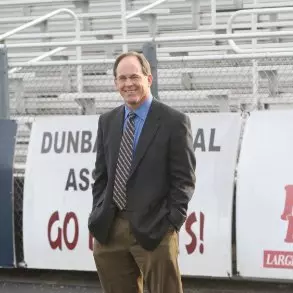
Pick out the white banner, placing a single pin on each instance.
(205, 240)
(265, 197)
(57, 195)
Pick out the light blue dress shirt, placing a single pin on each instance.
(141, 114)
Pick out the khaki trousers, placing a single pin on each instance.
(124, 266)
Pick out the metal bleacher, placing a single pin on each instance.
(190, 86)
(174, 17)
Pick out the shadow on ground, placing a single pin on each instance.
(43, 281)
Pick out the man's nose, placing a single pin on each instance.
(128, 81)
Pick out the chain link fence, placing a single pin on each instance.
(233, 85)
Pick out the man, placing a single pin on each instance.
(145, 177)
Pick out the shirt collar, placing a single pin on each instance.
(142, 110)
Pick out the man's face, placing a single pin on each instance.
(132, 84)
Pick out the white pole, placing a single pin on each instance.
(124, 23)
(213, 12)
(255, 78)
(79, 74)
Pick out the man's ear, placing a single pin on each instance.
(150, 80)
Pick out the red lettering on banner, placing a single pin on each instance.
(57, 243)
(287, 214)
(190, 221)
(283, 259)
(68, 217)
(278, 259)
(289, 235)
(201, 233)
(190, 248)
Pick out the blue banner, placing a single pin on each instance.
(7, 145)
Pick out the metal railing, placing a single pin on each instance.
(38, 20)
(125, 17)
(59, 48)
(230, 37)
(262, 34)
(254, 13)
(158, 40)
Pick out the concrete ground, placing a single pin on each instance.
(24, 281)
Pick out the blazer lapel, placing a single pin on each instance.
(115, 136)
(148, 132)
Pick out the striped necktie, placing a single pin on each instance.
(124, 163)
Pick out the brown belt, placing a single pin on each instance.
(122, 214)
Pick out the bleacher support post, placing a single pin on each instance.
(150, 52)
(4, 95)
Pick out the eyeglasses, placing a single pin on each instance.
(132, 78)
